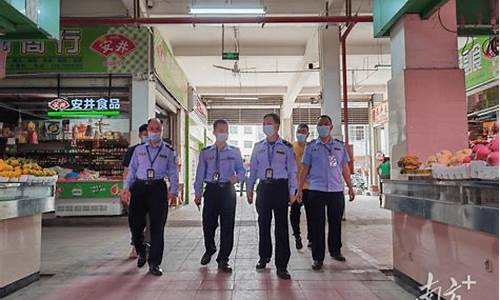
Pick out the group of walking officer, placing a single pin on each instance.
(310, 173)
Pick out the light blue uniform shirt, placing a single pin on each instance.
(282, 162)
(165, 165)
(324, 176)
(229, 164)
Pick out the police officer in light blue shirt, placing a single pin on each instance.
(219, 166)
(325, 163)
(151, 163)
(273, 163)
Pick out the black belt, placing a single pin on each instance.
(219, 184)
(150, 181)
(274, 181)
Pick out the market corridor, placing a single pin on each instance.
(89, 262)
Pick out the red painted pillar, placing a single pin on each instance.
(427, 100)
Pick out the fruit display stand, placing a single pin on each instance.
(446, 227)
(445, 218)
(21, 208)
(88, 198)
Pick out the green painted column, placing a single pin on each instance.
(186, 161)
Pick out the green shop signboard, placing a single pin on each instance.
(168, 70)
(88, 189)
(86, 49)
(479, 68)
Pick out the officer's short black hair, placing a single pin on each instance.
(325, 117)
(142, 128)
(302, 126)
(150, 120)
(220, 121)
(275, 117)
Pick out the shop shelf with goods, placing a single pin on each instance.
(88, 161)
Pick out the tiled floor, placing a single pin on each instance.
(89, 262)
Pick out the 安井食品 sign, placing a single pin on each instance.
(84, 107)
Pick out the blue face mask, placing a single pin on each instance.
(154, 137)
(301, 137)
(268, 130)
(221, 137)
(323, 131)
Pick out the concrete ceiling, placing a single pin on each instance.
(273, 47)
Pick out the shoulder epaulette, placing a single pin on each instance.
(287, 143)
(206, 148)
(339, 141)
(233, 147)
(169, 146)
(310, 143)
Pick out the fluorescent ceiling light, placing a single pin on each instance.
(227, 11)
(241, 98)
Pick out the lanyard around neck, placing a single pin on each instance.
(329, 149)
(270, 154)
(156, 156)
(217, 159)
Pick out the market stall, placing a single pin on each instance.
(75, 104)
(82, 138)
(87, 153)
(445, 216)
(443, 192)
(23, 199)
(480, 64)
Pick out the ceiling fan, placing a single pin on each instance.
(235, 69)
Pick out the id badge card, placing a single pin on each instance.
(216, 177)
(269, 173)
(332, 161)
(151, 173)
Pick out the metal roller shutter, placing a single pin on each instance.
(239, 116)
(310, 115)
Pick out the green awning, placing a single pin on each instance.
(473, 17)
(15, 24)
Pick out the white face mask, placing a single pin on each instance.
(221, 137)
(323, 131)
(268, 130)
(154, 137)
(301, 137)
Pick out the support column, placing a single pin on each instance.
(287, 129)
(329, 61)
(142, 106)
(427, 103)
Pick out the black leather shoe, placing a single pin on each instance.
(338, 256)
(205, 259)
(283, 274)
(298, 243)
(141, 260)
(224, 267)
(156, 270)
(309, 244)
(261, 264)
(317, 265)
